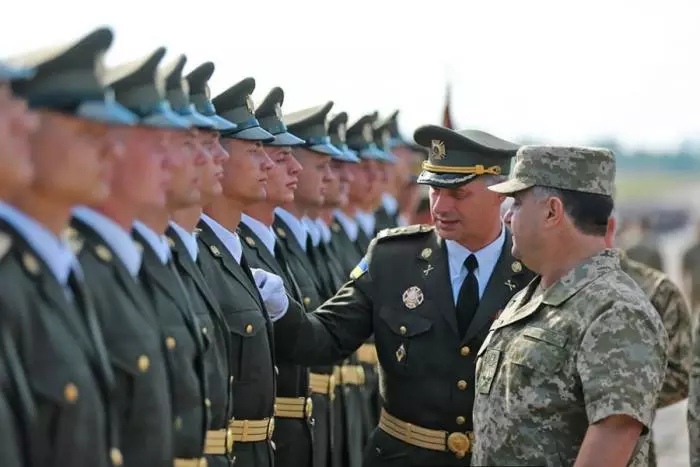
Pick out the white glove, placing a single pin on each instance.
(272, 291)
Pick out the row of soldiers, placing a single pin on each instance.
(156, 348)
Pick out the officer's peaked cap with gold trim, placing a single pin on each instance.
(458, 157)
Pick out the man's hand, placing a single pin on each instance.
(272, 291)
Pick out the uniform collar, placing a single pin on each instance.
(158, 242)
(390, 204)
(188, 238)
(118, 239)
(367, 222)
(312, 230)
(230, 239)
(349, 224)
(487, 257)
(262, 231)
(324, 229)
(54, 251)
(295, 225)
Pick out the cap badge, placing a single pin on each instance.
(367, 133)
(278, 111)
(249, 104)
(341, 132)
(386, 137)
(437, 149)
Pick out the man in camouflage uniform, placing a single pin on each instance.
(694, 402)
(571, 370)
(691, 275)
(668, 300)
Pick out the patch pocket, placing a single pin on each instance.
(539, 349)
(488, 364)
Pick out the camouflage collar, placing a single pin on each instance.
(582, 275)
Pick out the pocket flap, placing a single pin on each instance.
(246, 323)
(546, 336)
(405, 324)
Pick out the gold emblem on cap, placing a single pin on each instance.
(437, 149)
(278, 111)
(425, 254)
(103, 253)
(249, 103)
(171, 242)
(517, 266)
(215, 251)
(412, 297)
(367, 133)
(30, 263)
(250, 241)
(342, 131)
(400, 353)
(280, 231)
(207, 91)
(335, 227)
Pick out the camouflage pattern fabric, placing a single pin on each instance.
(553, 166)
(590, 346)
(669, 302)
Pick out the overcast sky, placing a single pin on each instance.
(560, 71)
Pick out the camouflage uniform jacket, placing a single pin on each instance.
(588, 347)
(694, 403)
(671, 305)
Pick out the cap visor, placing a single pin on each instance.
(198, 120)
(444, 180)
(348, 155)
(372, 153)
(286, 139)
(328, 149)
(166, 118)
(510, 186)
(106, 112)
(12, 73)
(221, 124)
(252, 134)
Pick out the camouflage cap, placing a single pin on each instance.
(589, 170)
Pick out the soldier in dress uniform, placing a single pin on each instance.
(314, 156)
(388, 139)
(669, 302)
(57, 335)
(571, 370)
(101, 235)
(17, 408)
(360, 138)
(429, 295)
(136, 86)
(228, 274)
(293, 430)
(185, 214)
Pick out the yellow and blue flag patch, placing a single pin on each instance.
(359, 270)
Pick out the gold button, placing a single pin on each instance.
(461, 385)
(249, 328)
(461, 420)
(403, 330)
(178, 423)
(204, 330)
(207, 403)
(116, 456)
(170, 342)
(144, 363)
(464, 351)
(307, 301)
(70, 392)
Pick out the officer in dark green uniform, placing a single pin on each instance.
(135, 85)
(230, 278)
(429, 294)
(310, 125)
(293, 427)
(48, 309)
(185, 212)
(101, 236)
(17, 408)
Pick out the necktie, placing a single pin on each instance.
(468, 298)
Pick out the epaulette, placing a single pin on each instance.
(5, 244)
(402, 231)
(75, 240)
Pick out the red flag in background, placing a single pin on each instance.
(446, 114)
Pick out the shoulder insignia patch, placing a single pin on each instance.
(359, 270)
(401, 231)
(5, 244)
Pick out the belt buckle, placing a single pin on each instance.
(459, 444)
